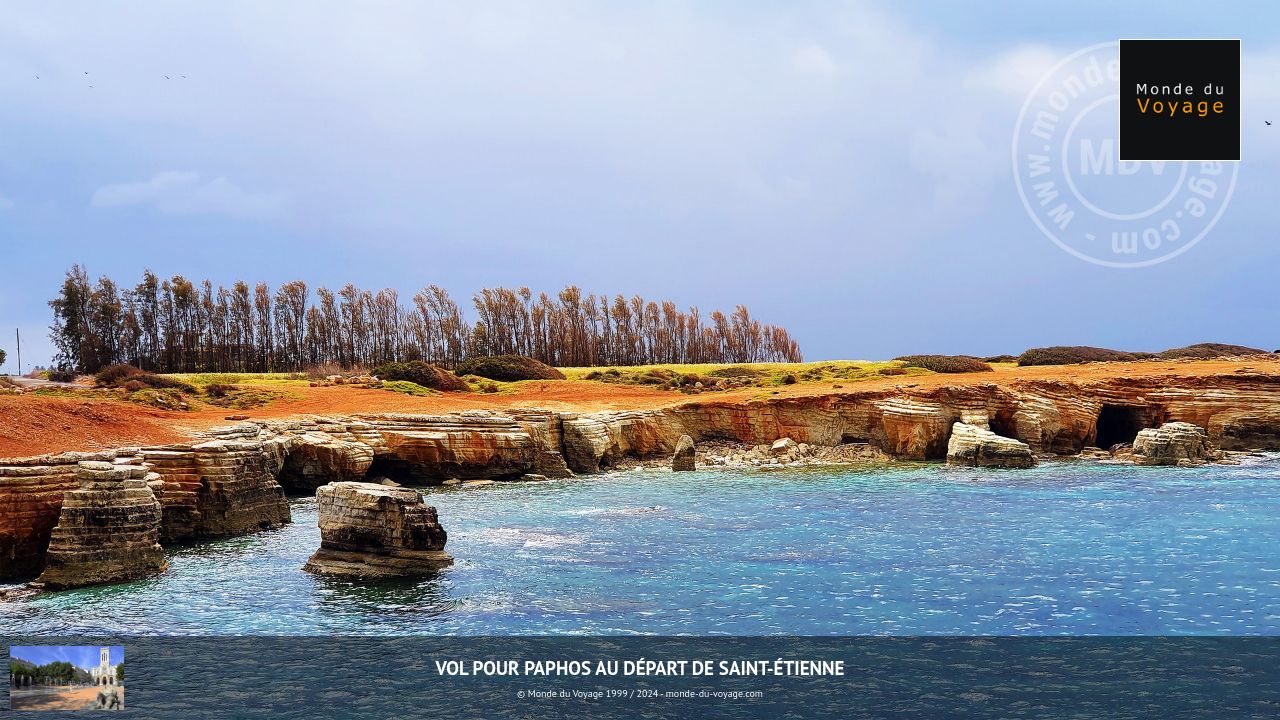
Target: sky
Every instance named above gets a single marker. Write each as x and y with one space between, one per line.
82 656
841 168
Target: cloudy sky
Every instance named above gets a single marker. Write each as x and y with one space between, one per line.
841 168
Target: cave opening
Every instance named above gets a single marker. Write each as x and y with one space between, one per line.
1119 424
1003 424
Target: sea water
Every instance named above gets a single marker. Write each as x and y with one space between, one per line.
1066 548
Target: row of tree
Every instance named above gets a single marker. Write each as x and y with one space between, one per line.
57 672
177 325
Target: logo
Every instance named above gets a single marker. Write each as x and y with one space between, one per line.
1180 99
1083 197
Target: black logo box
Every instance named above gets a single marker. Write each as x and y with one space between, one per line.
1187 65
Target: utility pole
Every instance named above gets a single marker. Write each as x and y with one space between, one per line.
18 334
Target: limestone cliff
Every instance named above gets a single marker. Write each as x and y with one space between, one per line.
108 529
233 480
371 531
31 493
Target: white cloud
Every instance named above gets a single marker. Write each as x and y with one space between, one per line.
1014 72
185 193
815 60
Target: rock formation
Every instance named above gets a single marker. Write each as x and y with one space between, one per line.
219 488
31 492
978 447
108 530
1175 443
317 458
229 482
783 446
428 449
373 531
683 459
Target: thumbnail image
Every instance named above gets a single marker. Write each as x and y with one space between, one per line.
66 677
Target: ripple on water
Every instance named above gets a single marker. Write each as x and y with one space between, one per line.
1063 548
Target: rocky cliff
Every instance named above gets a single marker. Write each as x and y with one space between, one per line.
372 531
233 480
31 493
108 529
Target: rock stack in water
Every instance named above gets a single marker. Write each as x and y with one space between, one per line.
683 460
979 447
108 531
1175 443
372 531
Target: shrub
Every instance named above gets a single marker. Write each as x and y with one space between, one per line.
133 379
320 371
1000 359
788 379
163 399
162 382
946 363
420 373
893 371
115 375
1073 354
737 371
508 368
218 390
1210 350
657 376
407 387
61 375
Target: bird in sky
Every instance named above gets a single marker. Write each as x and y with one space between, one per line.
166 77
1267 122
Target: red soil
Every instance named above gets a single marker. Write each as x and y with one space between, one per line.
32 424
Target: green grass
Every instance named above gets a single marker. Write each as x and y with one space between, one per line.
761 374
256 387
279 380
408 388
246 398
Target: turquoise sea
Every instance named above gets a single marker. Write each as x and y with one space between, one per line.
1067 548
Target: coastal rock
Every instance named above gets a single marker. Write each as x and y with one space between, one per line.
683 459
232 487
315 459
978 447
372 531
783 446
108 530
31 493
597 441
1175 443
546 430
220 488
431 448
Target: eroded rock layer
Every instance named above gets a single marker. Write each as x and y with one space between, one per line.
108 529
979 447
373 531
234 479
31 493
1175 443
